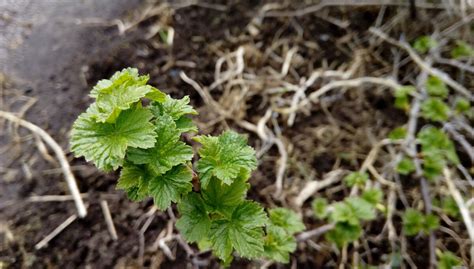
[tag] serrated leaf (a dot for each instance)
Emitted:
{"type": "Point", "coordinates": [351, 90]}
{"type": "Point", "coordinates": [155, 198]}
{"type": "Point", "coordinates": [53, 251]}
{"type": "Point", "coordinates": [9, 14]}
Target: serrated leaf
{"type": "Point", "coordinates": [462, 105]}
{"type": "Point", "coordinates": [344, 232]}
{"type": "Point", "coordinates": [286, 219]}
{"type": "Point", "coordinates": [436, 146]}
{"type": "Point", "coordinates": [168, 150]}
{"type": "Point", "coordinates": [413, 221]}
{"type": "Point", "coordinates": [424, 43]}
{"type": "Point", "coordinates": [462, 49]}
{"type": "Point", "coordinates": [185, 124]}
{"type": "Point", "coordinates": [448, 260]}
{"type": "Point", "coordinates": [356, 179]}
{"type": "Point", "coordinates": [436, 87]}
{"type": "Point", "coordinates": [126, 76]}
{"type": "Point", "coordinates": [342, 212]}
{"type": "Point", "coordinates": [175, 108]}
{"type": "Point", "coordinates": [435, 109]}
{"type": "Point", "coordinates": [278, 244]}
{"type": "Point", "coordinates": [134, 181]}
{"type": "Point", "coordinates": [105, 144]}
{"type": "Point", "coordinates": [373, 196]}
{"type": "Point", "coordinates": [450, 207]}
{"type": "Point", "coordinates": [223, 198]}
{"type": "Point", "coordinates": [224, 157]}
{"type": "Point", "coordinates": [320, 209]}
{"type": "Point", "coordinates": [352, 210]}
{"type": "Point", "coordinates": [242, 232]}
{"type": "Point", "coordinates": [124, 89]}
{"type": "Point", "coordinates": [433, 163]}
{"type": "Point", "coordinates": [405, 166]}
{"type": "Point", "coordinates": [362, 209]}
{"type": "Point", "coordinates": [194, 223]}
{"type": "Point", "coordinates": [170, 186]}
{"type": "Point", "coordinates": [402, 95]}
{"type": "Point", "coordinates": [398, 133]}
{"type": "Point", "coordinates": [431, 222]}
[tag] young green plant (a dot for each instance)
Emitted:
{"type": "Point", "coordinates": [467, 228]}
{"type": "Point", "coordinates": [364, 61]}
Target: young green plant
{"type": "Point", "coordinates": [144, 138]}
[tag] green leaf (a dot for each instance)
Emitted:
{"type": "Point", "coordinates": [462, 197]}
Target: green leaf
{"type": "Point", "coordinates": [222, 198]}
{"type": "Point", "coordinates": [175, 108]}
{"type": "Point", "coordinates": [424, 43]}
{"type": "Point", "coordinates": [224, 157]}
{"type": "Point", "coordinates": [134, 181]}
{"type": "Point", "coordinates": [352, 210]}
{"type": "Point", "coordinates": [128, 76]}
{"type": "Point", "coordinates": [343, 233]}
{"type": "Point", "coordinates": [398, 133]}
{"type": "Point", "coordinates": [356, 179]}
{"type": "Point", "coordinates": [450, 207]}
{"type": "Point", "coordinates": [462, 105]}
{"type": "Point", "coordinates": [435, 143]}
{"type": "Point", "coordinates": [168, 150]}
{"type": "Point", "coordinates": [448, 260]}
{"type": "Point", "coordinates": [156, 95]}
{"type": "Point", "coordinates": [435, 109]}
{"type": "Point", "coordinates": [412, 221]}
{"type": "Point", "coordinates": [415, 222]}
{"type": "Point", "coordinates": [405, 166]}
{"type": "Point", "coordinates": [402, 95]}
{"type": "Point", "coordinates": [105, 144]}
{"type": "Point", "coordinates": [362, 209]}
{"type": "Point", "coordinates": [185, 124]}
{"type": "Point", "coordinates": [319, 206]}
{"type": "Point", "coordinates": [194, 223]}
{"type": "Point", "coordinates": [170, 186]}
{"type": "Point", "coordinates": [278, 244]}
{"type": "Point", "coordinates": [433, 164]}
{"type": "Point", "coordinates": [286, 219]}
{"type": "Point", "coordinates": [436, 87]}
{"type": "Point", "coordinates": [242, 232]}
{"type": "Point", "coordinates": [431, 222]}
{"type": "Point", "coordinates": [462, 49]}
{"type": "Point", "coordinates": [124, 89]}
{"type": "Point", "coordinates": [373, 196]}
{"type": "Point", "coordinates": [342, 212]}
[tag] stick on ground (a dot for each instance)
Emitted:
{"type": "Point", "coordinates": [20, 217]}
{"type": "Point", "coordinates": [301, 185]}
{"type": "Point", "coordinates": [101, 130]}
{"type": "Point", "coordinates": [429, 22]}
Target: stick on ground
{"type": "Point", "coordinates": [71, 181]}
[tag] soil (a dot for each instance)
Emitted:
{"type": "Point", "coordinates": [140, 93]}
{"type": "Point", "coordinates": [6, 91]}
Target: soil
{"type": "Point", "coordinates": [60, 62]}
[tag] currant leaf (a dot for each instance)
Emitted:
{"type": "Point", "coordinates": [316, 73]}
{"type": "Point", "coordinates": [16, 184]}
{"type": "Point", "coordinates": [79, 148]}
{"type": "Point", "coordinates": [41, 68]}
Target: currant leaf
{"type": "Point", "coordinates": [105, 144]}
{"type": "Point", "coordinates": [168, 150]}
{"type": "Point", "coordinates": [224, 157]}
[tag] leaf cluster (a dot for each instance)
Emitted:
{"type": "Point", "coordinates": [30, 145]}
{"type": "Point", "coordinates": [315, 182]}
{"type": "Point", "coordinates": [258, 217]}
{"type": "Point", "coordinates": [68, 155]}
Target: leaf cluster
{"type": "Point", "coordinates": [415, 222]}
{"type": "Point", "coordinates": [143, 137]}
{"type": "Point", "coordinates": [348, 215]}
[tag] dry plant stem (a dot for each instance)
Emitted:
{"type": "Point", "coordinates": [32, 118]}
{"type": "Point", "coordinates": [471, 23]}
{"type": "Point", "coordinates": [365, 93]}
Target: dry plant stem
{"type": "Point", "coordinates": [356, 82]}
{"type": "Point", "coordinates": [334, 3]}
{"type": "Point", "coordinates": [457, 64]}
{"type": "Point", "coordinates": [53, 198]}
{"type": "Point", "coordinates": [463, 209]}
{"type": "Point", "coordinates": [281, 167]}
{"type": "Point", "coordinates": [71, 181]}
{"type": "Point", "coordinates": [461, 140]}
{"type": "Point", "coordinates": [314, 232]}
{"type": "Point", "coordinates": [313, 186]}
{"type": "Point", "coordinates": [426, 67]}
{"type": "Point", "coordinates": [301, 90]}
{"type": "Point", "coordinates": [55, 232]}
{"type": "Point", "coordinates": [108, 219]}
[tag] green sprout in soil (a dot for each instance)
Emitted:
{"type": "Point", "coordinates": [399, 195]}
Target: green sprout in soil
{"type": "Point", "coordinates": [144, 139]}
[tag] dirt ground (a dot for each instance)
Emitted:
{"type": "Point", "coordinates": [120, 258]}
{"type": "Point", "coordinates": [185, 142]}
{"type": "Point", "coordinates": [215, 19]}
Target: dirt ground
{"type": "Point", "coordinates": [62, 50]}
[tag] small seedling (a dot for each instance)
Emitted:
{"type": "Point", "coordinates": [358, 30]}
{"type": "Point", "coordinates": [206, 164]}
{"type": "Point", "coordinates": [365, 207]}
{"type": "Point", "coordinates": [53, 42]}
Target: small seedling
{"type": "Point", "coordinates": [119, 130]}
